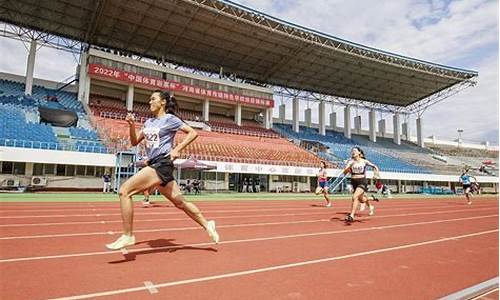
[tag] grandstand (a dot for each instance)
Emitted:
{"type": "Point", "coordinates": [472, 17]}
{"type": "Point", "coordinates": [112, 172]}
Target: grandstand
{"type": "Point", "coordinates": [22, 125]}
{"type": "Point", "coordinates": [237, 74]}
{"type": "Point", "coordinates": [226, 92]}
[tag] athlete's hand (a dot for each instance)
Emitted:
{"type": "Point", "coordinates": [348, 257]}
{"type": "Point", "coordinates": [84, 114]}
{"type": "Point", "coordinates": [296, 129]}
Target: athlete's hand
{"type": "Point", "coordinates": [130, 119]}
{"type": "Point", "coordinates": [174, 154]}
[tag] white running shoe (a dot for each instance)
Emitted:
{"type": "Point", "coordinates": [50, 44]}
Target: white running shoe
{"type": "Point", "coordinates": [329, 204]}
{"type": "Point", "coordinates": [122, 242]}
{"type": "Point", "coordinates": [362, 206]}
{"type": "Point", "coordinates": [145, 203]}
{"type": "Point", "coordinates": [372, 210]}
{"type": "Point", "coordinates": [212, 233]}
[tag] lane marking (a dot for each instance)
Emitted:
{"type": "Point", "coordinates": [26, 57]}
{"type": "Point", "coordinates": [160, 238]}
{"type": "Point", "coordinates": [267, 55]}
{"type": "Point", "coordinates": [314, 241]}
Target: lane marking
{"type": "Point", "coordinates": [223, 211]}
{"type": "Point", "coordinates": [150, 287]}
{"type": "Point", "coordinates": [220, 226]}
{"type": "Point", "coordinates": [231, 217]}
{"type": "Point", "coordinates": [259, 239]}
{"type": "Point", "coordinates": [4, 206]}
{"type": "Point", "coordinates": [272, 268]}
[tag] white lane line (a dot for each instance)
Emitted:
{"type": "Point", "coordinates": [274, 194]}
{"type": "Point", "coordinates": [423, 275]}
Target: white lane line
{"type": "Point", "coordinates": [159, 230]}
{"type": "Point", "coordinates": [202, 205]}
{"type": "Point", "coordinates": [117, 208]}
{"type": "Point", "coordinates": [259, 239]}
{"type": "Point", "coordinates": [150, 213]}
{"type": "Point", "coordinates": [178, 212]}
{"type": "Point", "coordinates": [150, 287]}
{"type": "Point", "coordinates": [326, 211]}
{"type": "Point", "coordinates": [161, 219]}
{"type": "Point", "coordinates": [242, 202]}
{"type": "Point", "coordinates": [220, 226]}
{"type": "Point", "coordinates": [207, 211]}
{"type": "Point", "coordinates": [274, 268]}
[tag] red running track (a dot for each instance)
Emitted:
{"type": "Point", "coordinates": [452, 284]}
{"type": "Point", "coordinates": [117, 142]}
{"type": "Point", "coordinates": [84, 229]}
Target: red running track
{"type": "Point", "coordinates": [411, 249]}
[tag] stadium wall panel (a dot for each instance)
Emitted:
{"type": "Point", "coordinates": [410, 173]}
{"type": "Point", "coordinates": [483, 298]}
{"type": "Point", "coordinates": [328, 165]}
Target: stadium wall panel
{"type": "Point", "coordinates": [56, 157]}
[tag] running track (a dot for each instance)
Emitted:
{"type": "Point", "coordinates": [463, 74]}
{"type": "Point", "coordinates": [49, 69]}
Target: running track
{"type": "Point", "coordinates": [410, 249]}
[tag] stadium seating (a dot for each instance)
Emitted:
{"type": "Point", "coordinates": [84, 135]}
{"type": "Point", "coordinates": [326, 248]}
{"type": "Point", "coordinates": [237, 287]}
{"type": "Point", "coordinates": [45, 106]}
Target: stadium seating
{"type": "Point", "coordinates": [216, 146]}
{"type": "Point", "coordinates": [473, 159]}
{"type": "Point", "coordinates": [82, 133]}
{"type": "Point", "coordinates": [249, 142]}
{"type": "Point", "coordinates": [19, 120]}
{"type": "Point", "coordinates": [340, 149]}
{"type": "Point", "coordinates": [225, 124]}
{"type": "Point", "coordinates": [113, 108]}
{"type": "Point", "coordinates": [15, 131]}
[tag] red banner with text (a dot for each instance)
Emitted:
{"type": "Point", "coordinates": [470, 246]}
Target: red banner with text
{"type": "Point", "coordinates": [129, 77]}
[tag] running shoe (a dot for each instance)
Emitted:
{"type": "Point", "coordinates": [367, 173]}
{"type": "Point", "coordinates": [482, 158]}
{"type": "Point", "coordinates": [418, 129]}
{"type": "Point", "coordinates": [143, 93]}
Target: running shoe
{"type": "Point", "coordinates": [122, 242]}
{"type": "Point", "coordinates": [372, 210]}
{"type": "Point", "coordinates": [362, 206]}
{"type": "Point", "coordinates": [145, 203]}
{"type": "Point", "coordinates": [469, 202]}
{"type": "Point", "coordinates": [349, 219]}
{"type": "Point", "coordinates": [212, 233]}
{"type": "Point", "coordinates": [375, 198]}
{"type": "Point", "coordinates": [329, 204]}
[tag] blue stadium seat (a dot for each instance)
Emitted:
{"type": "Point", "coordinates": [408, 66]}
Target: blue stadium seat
{"type": "Point", "coordinates": [19, 114]}
{"type": "Point", "coordinates": [340, 149]}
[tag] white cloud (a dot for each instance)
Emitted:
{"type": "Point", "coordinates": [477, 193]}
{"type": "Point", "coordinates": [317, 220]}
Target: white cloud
{"type": "Point", "coordinates": [18, 55]}
{"type": "Point", "coordinates": [54, 64]}
{"type": "Point", "coordinates": [50, 64]}
{"type": "Point", "coordinates": [475, 109]}
{"type": "Point", "coordinates": [461, 33]}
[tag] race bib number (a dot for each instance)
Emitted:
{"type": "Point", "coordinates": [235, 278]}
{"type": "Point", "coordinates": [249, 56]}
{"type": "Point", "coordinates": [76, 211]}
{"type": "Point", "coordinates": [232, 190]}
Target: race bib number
{"type": "Point", "coordinates": [358, 167]}
{"type": "Point", "coordinates": [152, 136]}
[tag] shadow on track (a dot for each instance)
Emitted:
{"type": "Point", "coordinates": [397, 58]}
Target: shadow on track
{"type": "Point", "coordinates": [159, 246]}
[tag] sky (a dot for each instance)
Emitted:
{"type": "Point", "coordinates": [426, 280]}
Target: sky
{"type": "Point", "coordinates": [462, 34]}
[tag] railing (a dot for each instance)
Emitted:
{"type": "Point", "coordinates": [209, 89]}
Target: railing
{"type": "Point", "coordinates": [435, 190]}
{"type": "Point", "coordinates": [244, 131]}
{"type": "Point", "coordinates": [119, 116]}
{"type": "Point", "coordinates": [248, 160]}
{"type": "Point", "coordinates": [65, 82]}
{"type": "Point", "coordinates": [51, 146]}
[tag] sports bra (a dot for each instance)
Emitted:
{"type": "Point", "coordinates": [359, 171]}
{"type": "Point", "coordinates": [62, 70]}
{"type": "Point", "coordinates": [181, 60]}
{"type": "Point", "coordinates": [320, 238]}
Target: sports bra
{"type": "Point", "coordinates": [358, 167]}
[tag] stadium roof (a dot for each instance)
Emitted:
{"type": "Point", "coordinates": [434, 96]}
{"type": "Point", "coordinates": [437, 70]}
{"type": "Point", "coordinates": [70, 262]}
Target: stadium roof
{"type": "Point", "coordinates": [210, 34]}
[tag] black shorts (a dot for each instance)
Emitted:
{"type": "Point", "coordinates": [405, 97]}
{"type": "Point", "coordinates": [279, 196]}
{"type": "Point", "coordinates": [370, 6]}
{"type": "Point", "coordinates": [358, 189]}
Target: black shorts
{"type": "Point", "coordinates": [359, 182]}
{"type": "Point", "coordinates": [164, 167]}
{"type": "Point", "coordinates": [466, 186]}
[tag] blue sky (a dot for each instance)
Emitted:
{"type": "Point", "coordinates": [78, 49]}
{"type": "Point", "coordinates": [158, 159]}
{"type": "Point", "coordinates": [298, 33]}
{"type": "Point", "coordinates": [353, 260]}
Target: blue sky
{"type": "Point", "coordinates": [458, 33]}
{"type": "Point", "coordinates": [462, 34]}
